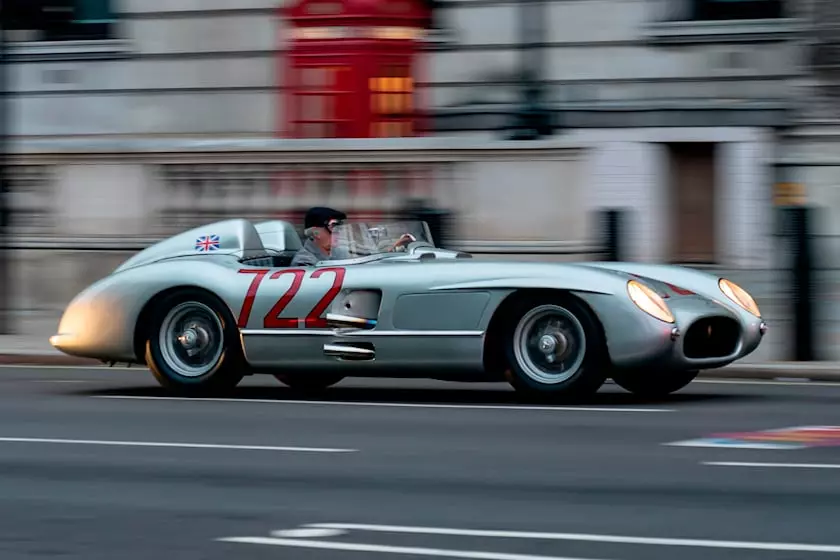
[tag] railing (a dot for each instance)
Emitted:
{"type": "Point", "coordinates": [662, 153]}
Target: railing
{"type": "Point", "coordinates": [177, 185]}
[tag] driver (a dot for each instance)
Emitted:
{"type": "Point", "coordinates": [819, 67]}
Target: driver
{"type": "Point", "coordinates": [318, 227]}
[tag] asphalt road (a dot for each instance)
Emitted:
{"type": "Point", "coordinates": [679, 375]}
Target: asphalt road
{"type": "Point", "coordinates": [405, 470]}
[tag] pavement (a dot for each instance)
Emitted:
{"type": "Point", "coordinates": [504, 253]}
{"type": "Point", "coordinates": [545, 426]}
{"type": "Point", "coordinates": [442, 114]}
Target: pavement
{"type": "Point", "coordinates": [97, 463]}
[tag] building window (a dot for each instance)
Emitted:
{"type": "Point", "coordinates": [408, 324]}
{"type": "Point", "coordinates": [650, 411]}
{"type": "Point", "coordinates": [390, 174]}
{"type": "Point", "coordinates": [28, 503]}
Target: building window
{"type": "Point", "coordinates": [63, 20]}
{"type": "Point", "coordinates": [716, 10]}
{"type": "Point", "coordinates": [321, 97]}
{"type": "Point", "coordinates": [392, 102]}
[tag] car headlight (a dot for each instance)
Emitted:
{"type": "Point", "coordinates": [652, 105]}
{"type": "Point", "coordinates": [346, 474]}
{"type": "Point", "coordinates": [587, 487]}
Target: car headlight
{"type": "Point", "coordinates": [649, 301]}
{"type": "Point", "coordinates": [739, 295]}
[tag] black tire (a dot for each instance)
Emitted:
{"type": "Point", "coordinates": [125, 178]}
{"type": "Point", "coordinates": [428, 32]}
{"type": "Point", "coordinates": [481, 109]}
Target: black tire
{"type": "Point", "coordinates": [224, 362]}
{"type": "Point", "coordinates": [653, 383]}
{"type": "Point", "coordinates": [579, 338]}
{"type": "Point", "coordinates": [308, 383]}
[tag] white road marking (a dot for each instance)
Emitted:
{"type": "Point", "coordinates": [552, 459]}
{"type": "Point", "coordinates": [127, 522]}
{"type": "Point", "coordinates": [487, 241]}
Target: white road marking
{"type": "Point", "coordinates": [306, 533]}
{"type": "Point", "coordinates": [730, 444]}
{"type": "Point", "coordinates": [416, 551]}
{"type": "Point", "coordinates": [772, 465]}
{"type": "Point", "coordinates": [58, 381]}
{"type": "Point", "coordinates": [181, 445]}
{"type": "Point", "coordinates": [800, 383]}
{"type": "Point", "coordinates": [701, 543]}
{"type": "Point", "coordinates": [388, 404]}
{"type": "Point", "coordinates": [779, 381]}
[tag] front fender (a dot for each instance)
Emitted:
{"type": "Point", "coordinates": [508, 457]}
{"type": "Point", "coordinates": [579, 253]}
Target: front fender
{"type": "Point", "coordinates": [697, 281]}
{"type": "Point", "coordinates": [564, 277]}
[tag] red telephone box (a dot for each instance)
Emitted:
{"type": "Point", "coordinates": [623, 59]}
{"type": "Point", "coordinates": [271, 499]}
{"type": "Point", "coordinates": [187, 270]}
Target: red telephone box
{"type": "Point", "coordinates": [352, 68]}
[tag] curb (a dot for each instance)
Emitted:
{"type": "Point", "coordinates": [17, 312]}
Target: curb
{"type": "Point", "coordinates": [806, 371]}
{"type": "Point", "coordinates": [46, 360]}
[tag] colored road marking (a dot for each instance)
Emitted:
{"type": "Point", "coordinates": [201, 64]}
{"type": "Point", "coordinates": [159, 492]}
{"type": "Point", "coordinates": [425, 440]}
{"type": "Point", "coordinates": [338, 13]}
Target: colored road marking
{"type": "Point", "coordinates": [785, 438]}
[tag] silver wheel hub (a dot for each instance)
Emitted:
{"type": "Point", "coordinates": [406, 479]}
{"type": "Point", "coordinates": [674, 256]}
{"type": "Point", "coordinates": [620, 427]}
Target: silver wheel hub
{"type": "Point", "coordinates": [191, 339]}
{"type": "Point", "coordinates": [194, 339]}
{"type": "Point", "coordinates": [553, 346]}
{"type": "Point", "coordinates": [549, 344]}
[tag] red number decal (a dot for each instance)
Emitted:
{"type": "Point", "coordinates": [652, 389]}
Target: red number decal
{"type": "Point", "coordinates": [272, 319]}
{"type": "Point", "coordinates": [245, 313]}
{"type": "Point", "coordinates": [314, 319]}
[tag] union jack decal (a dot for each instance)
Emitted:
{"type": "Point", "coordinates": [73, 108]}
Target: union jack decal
{"type": "Point", "coordinates": [207, 243]}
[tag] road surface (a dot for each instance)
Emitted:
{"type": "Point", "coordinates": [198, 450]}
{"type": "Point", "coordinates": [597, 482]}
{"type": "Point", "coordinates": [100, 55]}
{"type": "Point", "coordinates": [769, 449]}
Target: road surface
{"type": "Point", "coordinates": [95, 465]}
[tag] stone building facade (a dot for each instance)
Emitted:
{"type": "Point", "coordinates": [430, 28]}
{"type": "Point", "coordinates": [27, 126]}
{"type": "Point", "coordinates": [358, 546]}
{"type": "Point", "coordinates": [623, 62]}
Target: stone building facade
{"type": "Point", "coordinates": [687, 104]}
{"type": "Point", "coordinates": [686, 112]}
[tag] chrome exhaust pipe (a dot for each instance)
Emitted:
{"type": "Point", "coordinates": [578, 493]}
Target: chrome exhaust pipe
{"type": "Point", "coordinates": [346, 321]}
{"type": "Point", "coordinates": [349, 352]}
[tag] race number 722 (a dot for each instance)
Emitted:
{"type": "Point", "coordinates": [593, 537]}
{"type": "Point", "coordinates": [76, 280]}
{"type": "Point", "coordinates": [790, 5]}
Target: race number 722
{"type": "Point", "coordinates": [272, 319]}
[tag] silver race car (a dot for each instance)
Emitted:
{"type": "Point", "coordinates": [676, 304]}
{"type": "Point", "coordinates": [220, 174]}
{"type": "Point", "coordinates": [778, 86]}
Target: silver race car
{"type": "Point", "coordinates": [206, 307]}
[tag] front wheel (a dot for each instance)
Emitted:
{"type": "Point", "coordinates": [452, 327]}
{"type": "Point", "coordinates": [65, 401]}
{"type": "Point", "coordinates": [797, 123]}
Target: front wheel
{"type": "Point", "coordinates": [655, 383]}
{"type": "Point", "coordinates": [192, 346]}
{"type": "Point", "coordinates": [555, 346]}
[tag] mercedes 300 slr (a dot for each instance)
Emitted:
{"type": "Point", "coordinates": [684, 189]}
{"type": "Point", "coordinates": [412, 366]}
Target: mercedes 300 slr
{"type": "Point", "coordinates": [206, 307]}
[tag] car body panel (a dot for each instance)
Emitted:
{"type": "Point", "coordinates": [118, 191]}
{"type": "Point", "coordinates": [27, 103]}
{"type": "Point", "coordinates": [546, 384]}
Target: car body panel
{"type": "Point", "coordinates": [427, 311]}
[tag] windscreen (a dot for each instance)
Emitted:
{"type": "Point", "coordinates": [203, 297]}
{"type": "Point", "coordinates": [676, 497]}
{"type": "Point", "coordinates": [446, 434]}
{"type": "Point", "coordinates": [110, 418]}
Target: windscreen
{"type": "Point", "coordinates": [359, 239]}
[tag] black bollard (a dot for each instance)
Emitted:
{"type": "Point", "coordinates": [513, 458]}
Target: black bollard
{"type": "Point", "coordinates": [802, 275]}
{"type": "Point", "coordinates": [611, 229]}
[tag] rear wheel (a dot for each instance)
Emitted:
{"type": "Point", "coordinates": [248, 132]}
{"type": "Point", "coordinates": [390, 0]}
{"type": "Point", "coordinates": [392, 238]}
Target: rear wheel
{"type": "Point", "coordinates": [554, 346]}
{"type": "Point", "coordinates": [308, 383]}
{"type": "Point", "coordinates": [653, 383]}
{"type": "Point", "coordinates": [193, 345]}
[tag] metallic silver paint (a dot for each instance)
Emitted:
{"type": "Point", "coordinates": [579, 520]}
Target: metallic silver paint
{"type": "Point", "coordinates": [432, 306]}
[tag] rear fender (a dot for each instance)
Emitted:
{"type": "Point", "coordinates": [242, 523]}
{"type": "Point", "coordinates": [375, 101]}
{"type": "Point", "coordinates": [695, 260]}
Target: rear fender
{"type": "Point", "coordinates": [103, 318]}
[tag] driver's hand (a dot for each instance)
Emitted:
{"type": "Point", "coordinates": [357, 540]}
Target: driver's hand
{"type": "Point", "coordinates": [405, 239]}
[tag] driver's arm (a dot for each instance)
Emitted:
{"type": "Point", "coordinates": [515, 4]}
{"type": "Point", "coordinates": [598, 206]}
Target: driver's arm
{"type": "Point", "coordinates": [405, 239]}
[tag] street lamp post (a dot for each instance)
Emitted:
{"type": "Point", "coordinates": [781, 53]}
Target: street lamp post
{"type": "Point", "coordinates": [5, 284]}
{"type": "Point", "coordinates": [15, 15]}
{"type": "Point", "coordinates": [533, 119]}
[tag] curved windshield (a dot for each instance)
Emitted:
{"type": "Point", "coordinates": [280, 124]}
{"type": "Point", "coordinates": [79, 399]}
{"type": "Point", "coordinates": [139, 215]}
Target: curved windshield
{"type": "Point", "coordinates": [361, 239]}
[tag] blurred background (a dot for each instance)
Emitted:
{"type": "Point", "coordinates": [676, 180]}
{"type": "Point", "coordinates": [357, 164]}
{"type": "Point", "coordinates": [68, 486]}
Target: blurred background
{"type": "Point", "coordinates": [697, 132]}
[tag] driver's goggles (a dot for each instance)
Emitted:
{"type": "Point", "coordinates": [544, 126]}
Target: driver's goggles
{"type": "Point", "coordinates": [332, 224]}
